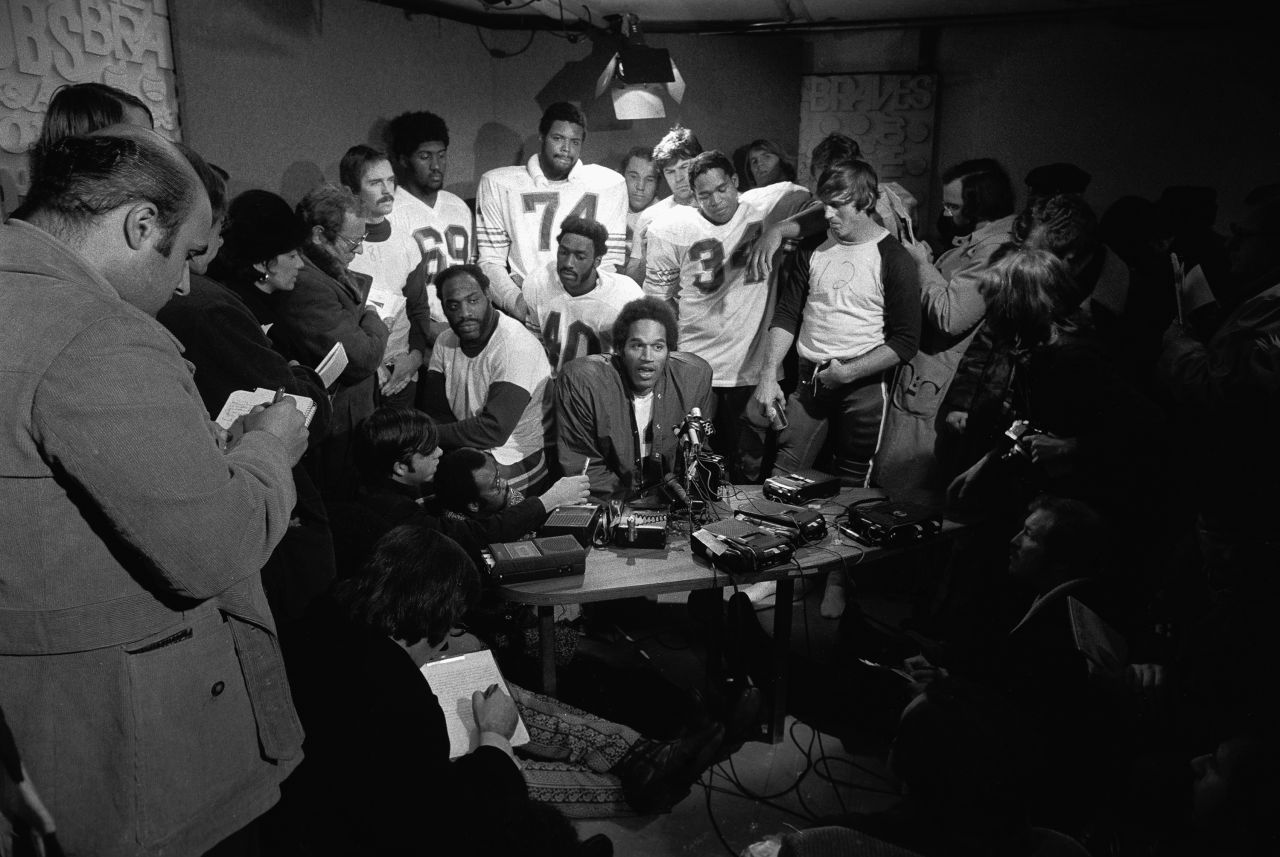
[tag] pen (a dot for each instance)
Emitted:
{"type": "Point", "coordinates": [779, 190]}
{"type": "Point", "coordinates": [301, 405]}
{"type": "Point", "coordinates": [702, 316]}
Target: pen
{"type": "Point", "coordinates": [279, 396]}
{"type": "Point", "coordinates": [585, 465]}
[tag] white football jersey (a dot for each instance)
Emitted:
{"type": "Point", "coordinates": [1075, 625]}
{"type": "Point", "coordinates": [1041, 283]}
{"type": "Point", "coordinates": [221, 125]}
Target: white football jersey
{"type": "Point", "coordinates": [702, 265]}
{"type": "Point", "coordinates": [641, 228]}
{"type": "Point", "coordinates": [389, 263]}
{"type": "Point", "coordinates": [569, 326]}
{"type": "Point", "coordinates": [513, 356]}
{"type": "Point", "coordinates": [441, 233]}
{"type": "Point", "coordinates": [519, 212]}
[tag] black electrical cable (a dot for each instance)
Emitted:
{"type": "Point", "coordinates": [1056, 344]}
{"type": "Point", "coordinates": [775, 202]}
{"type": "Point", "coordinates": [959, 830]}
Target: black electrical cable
{"type": "Point", "coordinates": [711, 816]}
{"type": "Point", "coordinates": [734, 792]}
{"type": "Point", "coordinates": [501, 54]}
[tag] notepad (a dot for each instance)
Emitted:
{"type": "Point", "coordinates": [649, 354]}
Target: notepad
{"type": "Point", "coordinates": [242, 402]}
{"type": "Point", "coordinates": [332, 365]}
{"type": "Point", "coordinates": [1103, 646]}
{"type": "Point", "coordinates": [453, 680]}
{"type": "Point", "coordinates": [387, 305]}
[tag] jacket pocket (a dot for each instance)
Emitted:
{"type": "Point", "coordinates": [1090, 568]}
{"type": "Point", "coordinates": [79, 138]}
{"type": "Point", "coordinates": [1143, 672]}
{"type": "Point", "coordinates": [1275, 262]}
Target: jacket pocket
{"type": "Point", "coordinates": [195, 738]}
{"type": "Point", "coordinates": [921, 385]}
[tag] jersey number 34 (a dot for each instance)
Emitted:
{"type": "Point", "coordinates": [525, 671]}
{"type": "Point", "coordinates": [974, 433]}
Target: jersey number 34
{"type": "Point", "coordinates": [709, 254]}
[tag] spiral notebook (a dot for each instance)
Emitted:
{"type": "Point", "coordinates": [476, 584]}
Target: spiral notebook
{"type": "Point", "coordinates": [242, 402]}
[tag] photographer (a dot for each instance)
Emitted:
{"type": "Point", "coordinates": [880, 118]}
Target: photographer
{"type": "Point", "coordinates": [1073, 426]}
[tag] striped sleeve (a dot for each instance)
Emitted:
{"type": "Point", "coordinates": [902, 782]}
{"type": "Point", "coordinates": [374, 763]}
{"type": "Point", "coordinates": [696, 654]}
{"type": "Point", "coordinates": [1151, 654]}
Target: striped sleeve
{"type": "Point", "coordinates": [661, 266]}
{"type": "Point", "coordinates": [493, 242]}
{"type": "Point", "coordinates": [613, 214]}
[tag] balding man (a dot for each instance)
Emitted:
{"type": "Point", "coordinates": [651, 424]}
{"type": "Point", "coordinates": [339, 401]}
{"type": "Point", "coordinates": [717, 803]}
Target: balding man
{"type": "Point", "coordinates": [139, 667]}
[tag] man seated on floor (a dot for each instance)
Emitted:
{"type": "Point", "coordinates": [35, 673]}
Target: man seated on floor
{"type": "Point", "coordinates": [377, 766]}
{"type": "Point", "coordinates": [397, 455]}
{"type": "Point", "coordinates": [412, 590]}
{"type": "Point", "coordinates": [572, 302]}
{"type": "Point", "coordinates": [487, 380]}
{"type": "Point", "coordinates": [1053, 651]}
{"type": "Point", "coordinates": [615, 411]}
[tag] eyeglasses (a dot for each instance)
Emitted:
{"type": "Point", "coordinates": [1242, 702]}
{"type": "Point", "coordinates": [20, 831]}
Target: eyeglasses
{"type": "Point", "coordinates": [951, 208]}
{"type": "Point", "coordinates": [351, 246]}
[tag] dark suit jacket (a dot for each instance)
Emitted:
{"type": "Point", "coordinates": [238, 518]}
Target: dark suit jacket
{"type": "Point", "coordinates": [379, 507]}
{"type": "Point", "coordinates": [222, 338]}
{"type": "Point", "coordinates": [376, 777]}
{"type": "Point", "coordinates": [321, 311]}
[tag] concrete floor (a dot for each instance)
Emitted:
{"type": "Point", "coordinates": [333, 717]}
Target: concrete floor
{"type": "Point", "coordinates": [809, 775]}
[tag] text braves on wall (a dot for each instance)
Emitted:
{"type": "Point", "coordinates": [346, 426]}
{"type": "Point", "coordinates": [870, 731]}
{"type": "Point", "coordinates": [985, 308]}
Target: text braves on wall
{"type": "Point", "coordinates": [45, 44]}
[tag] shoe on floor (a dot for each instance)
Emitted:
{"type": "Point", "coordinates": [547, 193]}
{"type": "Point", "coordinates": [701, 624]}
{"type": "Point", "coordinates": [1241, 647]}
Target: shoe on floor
{"type": "Point", "coordinates": [744, 721]}
{"type": "Point", "coordinates": [656, 775]}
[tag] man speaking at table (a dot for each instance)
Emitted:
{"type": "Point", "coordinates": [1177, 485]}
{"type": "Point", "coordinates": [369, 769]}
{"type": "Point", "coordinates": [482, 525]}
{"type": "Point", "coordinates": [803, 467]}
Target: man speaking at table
{"type": "Point", "coordinates": [139, 666]}
{"type": "Point", "coordinates": [614, 411]}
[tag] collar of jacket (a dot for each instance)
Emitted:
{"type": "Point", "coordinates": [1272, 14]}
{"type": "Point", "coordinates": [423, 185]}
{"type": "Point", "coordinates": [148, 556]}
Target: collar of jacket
{"type": "Point", "coordinates": [66, 264]}
{"type": "Point", "coordinates": [998, 230]}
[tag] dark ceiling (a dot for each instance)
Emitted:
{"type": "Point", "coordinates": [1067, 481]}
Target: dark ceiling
{"type": "Point", "coordinates": [743, 16]}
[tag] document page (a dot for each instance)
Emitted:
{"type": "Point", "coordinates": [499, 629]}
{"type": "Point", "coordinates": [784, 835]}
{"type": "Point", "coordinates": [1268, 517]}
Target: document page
{"type": "Point", "coordinates": [453, 680]}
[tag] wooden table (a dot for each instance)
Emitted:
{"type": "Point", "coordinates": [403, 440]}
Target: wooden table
{"type": "Point", "coordinates": [627, 572]}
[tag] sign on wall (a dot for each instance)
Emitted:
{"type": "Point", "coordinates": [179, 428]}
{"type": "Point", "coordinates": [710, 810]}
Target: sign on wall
{"type": "Point", "coordinates": [890, 115]}
{"type": "Point", "coordinates": [45, 44]}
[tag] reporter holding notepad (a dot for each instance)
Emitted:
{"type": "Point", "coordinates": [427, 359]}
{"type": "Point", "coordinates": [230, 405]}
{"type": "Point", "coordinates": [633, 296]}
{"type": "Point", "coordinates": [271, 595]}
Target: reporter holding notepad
{"type": "Point", "coordinates": [377, 768]}
{"type": "Point", "coordinates": [220, 325]}
{"type": "Point", "coordinates": [139, 667]}
{"type": "Point", "coordinates": [327, 307]}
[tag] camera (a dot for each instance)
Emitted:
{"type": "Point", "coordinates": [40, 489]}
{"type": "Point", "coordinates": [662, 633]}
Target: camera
{"type": "Point", "coordinates": [1018, 432]}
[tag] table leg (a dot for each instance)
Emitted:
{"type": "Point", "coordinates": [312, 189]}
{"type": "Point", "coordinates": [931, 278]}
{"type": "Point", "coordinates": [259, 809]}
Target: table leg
{"type": "Point", "coordinates": [781, 658]}
{"type": "Point", "coordinates": [547, 647]}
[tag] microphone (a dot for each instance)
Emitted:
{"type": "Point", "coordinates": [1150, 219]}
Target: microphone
{"type": "Point", "coordinates": [674, 489]}
{"type": "Point", "coordinates": [693, 428]}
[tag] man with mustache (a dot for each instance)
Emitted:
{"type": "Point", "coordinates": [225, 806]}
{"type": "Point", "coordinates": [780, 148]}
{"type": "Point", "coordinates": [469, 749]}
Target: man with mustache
{"type": "Point", "coordinates": [391, 259]}
{"type": "Point", "coordinates": [519, 209]}
{"type": "Point", "coordinates": [572, 303]}
{"type": "Point", "coordinates": [487, 380]}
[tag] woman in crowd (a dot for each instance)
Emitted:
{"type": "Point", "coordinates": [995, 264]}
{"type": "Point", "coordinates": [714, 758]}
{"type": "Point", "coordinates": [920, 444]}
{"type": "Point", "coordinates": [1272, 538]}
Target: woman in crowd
{"type": "Point", "coordinates": [260, 253]}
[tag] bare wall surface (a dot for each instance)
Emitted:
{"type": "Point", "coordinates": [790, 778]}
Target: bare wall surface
{"type": "Point", "coordinates": [275, 92]}
{"type": "Point", "coordinates": [1139, 106]}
